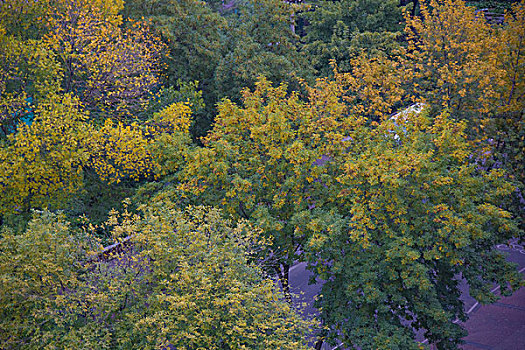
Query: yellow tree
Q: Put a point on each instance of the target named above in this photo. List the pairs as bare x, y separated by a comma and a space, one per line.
507, 127
268, 161
28, 72
413, 213
456, 60
83, 58
38, 268
417, 211
134, 152
454, 55
111, 67
42, 163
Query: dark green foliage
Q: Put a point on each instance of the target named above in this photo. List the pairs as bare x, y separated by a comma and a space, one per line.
194, 34
225, 51
260, 43
340, 30
498, 6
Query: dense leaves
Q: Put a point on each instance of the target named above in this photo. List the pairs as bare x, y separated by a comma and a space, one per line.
263, 162
393, 176
340, 30
41, 165
416, 216
39, 268
185, 283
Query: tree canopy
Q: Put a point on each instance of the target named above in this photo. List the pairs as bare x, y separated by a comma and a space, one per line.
192, 137
186, 283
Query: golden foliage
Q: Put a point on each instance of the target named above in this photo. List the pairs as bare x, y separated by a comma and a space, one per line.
111, 67
119, 151
186, 283
42, 163
454, 59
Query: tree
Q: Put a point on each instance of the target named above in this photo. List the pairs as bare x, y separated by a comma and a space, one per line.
420, 207
415, 215
456, 60
260, 43
339, 30
38, 268
84, 58
41, 165
75, 46
454, 54
265, 161
28, 73
185, 282
223, 50
505, 130
386, 212
194, 35
110, 67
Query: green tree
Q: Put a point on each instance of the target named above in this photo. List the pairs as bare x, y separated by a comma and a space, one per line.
414, 215
224, 50
39, 267
194, 35
340, 30
260, 43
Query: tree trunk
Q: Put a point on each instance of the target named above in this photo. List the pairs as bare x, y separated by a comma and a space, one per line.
283, 271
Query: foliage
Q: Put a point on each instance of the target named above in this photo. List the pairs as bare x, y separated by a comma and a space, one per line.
41, 165
455, 60
193, 34
260, 43
340, 30
82, 47
181, 92
498, 6
346, 193
192, 31
96, 198
389, 208
454, 55
86, 57
28, 73
110, 67
120, 151
416, 215
38, 269
417, 211
172, 138
224, 51
263, 161
186, 283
